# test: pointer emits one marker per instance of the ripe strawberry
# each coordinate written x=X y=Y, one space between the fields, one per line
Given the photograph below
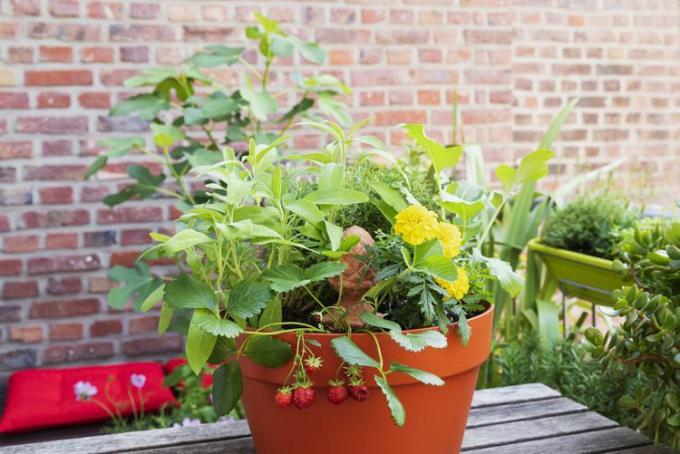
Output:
x=283 y=397
x=337 y=393
x=303 y=397
x=312 y=365
x=359 y=392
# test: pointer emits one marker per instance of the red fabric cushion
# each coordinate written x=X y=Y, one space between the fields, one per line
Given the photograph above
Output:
x=39 y=398
x=172 y=364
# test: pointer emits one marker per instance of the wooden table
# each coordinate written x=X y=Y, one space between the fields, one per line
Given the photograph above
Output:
x=516 y=419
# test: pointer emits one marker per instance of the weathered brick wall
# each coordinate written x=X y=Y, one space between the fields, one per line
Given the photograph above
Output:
x=515 y=62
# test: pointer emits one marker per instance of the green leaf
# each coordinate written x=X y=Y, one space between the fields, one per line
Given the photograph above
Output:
x=420 y=375
x=334 y=234
x=146 y=106
x=115 y=147
x=395 y=406
x=144 y=188
x=227 y=387
x=199 y=345
x=302 y=106
x=248 y=298
x=166 y=136
x=306 y=209
x=310 y=51
x=350 y=352
x=216 y=55
x=273 y=313
x=324 y=270
x=183 y=240
x=267 y=351
x=390 y=196
x=165 y=318
x=187 y=292
x=337 y=197
x=439 y=266
x=154 y=298
x=224 y=348
x=441 y=156
x=210 y=323
x=556 y=124
x=532 y=167
x=415 y=342
x=137 y=284
x=510 y=281
x=261 y=103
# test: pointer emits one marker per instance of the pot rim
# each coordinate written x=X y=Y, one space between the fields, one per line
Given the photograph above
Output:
x=452 y=326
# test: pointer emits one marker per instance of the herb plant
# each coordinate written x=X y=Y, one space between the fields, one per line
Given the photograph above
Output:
x=589 y=224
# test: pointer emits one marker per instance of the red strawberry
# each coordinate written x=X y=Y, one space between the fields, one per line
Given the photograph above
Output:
x=283 y=397
x=303 y=398
x=359 y=392
x=312 y=365
x=337 y=393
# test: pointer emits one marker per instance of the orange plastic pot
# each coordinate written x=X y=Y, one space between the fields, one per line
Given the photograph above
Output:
x=435 y=416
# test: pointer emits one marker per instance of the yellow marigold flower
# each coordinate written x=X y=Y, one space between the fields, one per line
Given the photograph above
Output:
x=449 y=238
x=457 y=288
x=416 y=224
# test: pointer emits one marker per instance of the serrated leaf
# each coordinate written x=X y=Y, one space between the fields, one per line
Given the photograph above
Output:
x=227 y=387
x=268 y=351
x=420 y=375
x=210 y=323
x=284 y=278
x=248 y=298
x=187 y=292
x=393 y=402
x=350 y=352
x=199 y=346
x=415 y=342
x=324 y=270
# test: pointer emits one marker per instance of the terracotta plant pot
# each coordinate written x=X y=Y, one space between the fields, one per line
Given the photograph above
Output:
x=435 y=416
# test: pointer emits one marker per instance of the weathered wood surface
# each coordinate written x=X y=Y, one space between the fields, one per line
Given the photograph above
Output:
x=527 y=418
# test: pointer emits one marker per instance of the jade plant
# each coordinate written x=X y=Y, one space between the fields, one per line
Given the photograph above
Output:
x=647 y=343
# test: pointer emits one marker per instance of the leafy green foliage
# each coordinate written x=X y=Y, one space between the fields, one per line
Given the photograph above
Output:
x=267 y=351
x=351 y=353
x=227 y=387
x=138 y=285
x=647 y=343
x=589 y=224
x=393 y=402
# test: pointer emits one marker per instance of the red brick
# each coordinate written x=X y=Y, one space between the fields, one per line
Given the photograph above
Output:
x=143 y=33
x=59 y=354
x=143 y=325
x=105 y=10
x=58 y=77
x=21 y=243
x=13 y=100
x=8 y=174
x=9 y=30
x=56 y=148
x=52 y=125
x=102 y=328
x=66 y=331
x=124 y=258
x=96 y=55
x=487 y=36
x=14 y=150
x=18 y=55
x=64 y=8
x=116 y=77
x=10 y=267
x=395 y=117
x=56 y=54
x=61 y=241
x=412 y=36
x=95 y=100
x=130 y=214
x=429 y=97
x=71 y=172
x=135 y=236
x=26 y=7
x=155 y=344
x=26 y=334
x=65 y=263
x=64 y=31
x=19 y=289
x=64 y=308
x=56 y=195
x=5 y=225
x=64 y=286
x=52 y=100
x=144 y=10
x=134 y=54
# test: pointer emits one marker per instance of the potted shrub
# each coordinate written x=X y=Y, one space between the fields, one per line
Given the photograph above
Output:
x=577 y=245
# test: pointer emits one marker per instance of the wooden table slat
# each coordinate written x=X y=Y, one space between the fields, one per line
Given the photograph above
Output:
x=593 y=442
x=512 y=394
x=499 y=414
x=519 y=431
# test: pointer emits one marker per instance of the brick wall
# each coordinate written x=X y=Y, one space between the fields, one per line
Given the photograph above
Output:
x=515 y=62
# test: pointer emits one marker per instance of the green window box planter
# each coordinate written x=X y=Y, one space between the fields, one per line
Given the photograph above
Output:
x=582 y=276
